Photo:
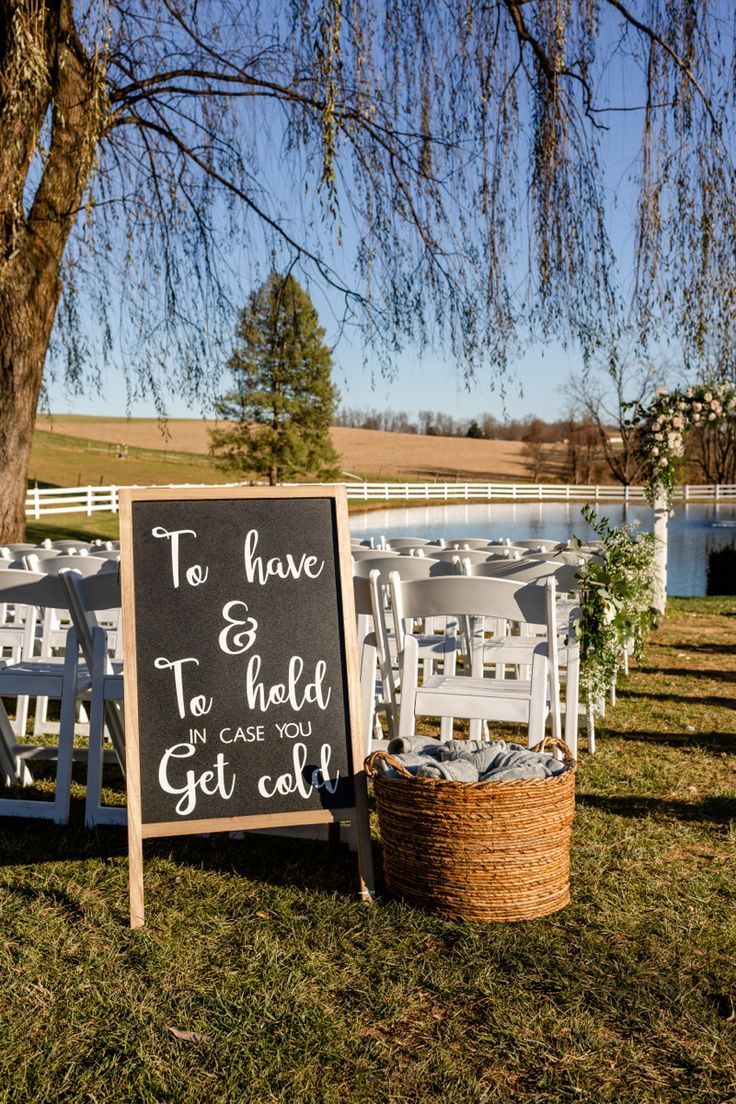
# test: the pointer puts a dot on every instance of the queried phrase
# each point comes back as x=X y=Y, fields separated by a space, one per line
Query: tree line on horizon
x=436 y=423
x=582 y=447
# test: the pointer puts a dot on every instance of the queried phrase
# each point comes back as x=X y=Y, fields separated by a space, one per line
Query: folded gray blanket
x=470 y=760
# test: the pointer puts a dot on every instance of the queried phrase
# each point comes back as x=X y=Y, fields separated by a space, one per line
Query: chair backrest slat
x=530 y=570
x=31 y=588
x=469 y=597
x=408 y=567
x=85 y=565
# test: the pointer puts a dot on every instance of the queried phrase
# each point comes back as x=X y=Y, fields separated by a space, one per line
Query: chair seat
x=474 y=698
x=431 y=645
x=39 y=676
x=112 y=687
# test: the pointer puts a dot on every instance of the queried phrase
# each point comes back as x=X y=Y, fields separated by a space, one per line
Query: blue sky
x=433 y=382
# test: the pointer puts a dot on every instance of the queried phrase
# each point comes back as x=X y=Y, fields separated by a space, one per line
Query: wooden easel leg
x=367 y=888
x=135 y=874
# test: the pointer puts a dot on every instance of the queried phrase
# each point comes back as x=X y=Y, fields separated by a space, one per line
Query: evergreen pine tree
x=280 y=411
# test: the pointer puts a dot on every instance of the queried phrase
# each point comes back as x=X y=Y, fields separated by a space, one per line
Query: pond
x=695 y=530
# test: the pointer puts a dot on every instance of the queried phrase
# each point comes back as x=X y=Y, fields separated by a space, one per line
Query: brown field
x=363 y=452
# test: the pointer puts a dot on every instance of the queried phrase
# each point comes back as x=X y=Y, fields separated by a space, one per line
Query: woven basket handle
x=551 y=741
x=383 y=756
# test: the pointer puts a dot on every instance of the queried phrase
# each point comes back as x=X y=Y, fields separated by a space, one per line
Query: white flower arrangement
x=664 y=425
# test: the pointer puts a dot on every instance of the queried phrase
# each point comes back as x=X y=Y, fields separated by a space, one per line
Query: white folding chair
x=475 y=555
x=476 y=542
x=517 y=650
x=87 y=597
x=438 y=642
x=367 y=553
x=539 y=544
x=54 y=561
x=476 y=698
x=374 y=699
x=61 y=677
x=72 y=546
x=395 y=544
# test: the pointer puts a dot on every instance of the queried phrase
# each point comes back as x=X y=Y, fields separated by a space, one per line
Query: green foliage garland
x=616 y=602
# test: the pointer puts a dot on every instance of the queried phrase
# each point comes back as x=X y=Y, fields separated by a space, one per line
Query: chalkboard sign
x=241 y=681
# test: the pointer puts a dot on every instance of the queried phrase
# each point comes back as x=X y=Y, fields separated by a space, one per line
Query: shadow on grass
x=687 y=646
x=31 y=895
x=685 y=672
x=326 y=867
x=306 y=864
x=709 y=700
x=715 y=810
x=708 y=741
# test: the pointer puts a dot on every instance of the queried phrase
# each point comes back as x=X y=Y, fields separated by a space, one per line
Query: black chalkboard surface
x=241 y=669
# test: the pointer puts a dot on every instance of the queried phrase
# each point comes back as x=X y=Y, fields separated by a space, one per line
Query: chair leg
x=21 y=715
x=538 y=701
x=62 y=797
x=409 y=677
x=93 y=799
x=367 y=694
x=591 y=728
x=572 y=704
x=475 y=729
x=95 y=812
x=13 y=769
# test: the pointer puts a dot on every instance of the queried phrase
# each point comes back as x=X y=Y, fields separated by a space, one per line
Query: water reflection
x=695 y=530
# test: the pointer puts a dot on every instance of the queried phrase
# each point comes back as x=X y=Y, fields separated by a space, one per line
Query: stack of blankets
x=469 y=760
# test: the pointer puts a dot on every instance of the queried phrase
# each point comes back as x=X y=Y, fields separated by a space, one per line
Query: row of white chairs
x=503 y=582
x=60 y=547
x=402 y=544
x=79 y=661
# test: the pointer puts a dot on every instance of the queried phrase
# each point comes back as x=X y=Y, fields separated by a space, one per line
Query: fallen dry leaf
x=190 y=1036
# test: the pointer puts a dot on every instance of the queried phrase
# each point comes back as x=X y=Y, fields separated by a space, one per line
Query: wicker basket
x=477 y=850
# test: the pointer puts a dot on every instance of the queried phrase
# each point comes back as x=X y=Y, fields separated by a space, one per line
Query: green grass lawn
x=60 y=460
x=302 y=994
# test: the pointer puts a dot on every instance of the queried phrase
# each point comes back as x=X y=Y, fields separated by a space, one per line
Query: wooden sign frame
x=358 y=814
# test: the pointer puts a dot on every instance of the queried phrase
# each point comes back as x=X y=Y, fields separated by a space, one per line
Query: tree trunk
x=27 y=309
x=64 y=79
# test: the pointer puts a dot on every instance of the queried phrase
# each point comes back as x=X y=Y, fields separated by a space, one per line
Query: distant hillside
x=363 y=452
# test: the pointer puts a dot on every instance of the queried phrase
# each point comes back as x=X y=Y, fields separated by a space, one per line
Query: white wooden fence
x=43 y=501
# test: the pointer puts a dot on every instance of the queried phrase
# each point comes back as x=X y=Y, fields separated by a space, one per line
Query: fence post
x=718 y=491
x=36 y=502
x=89 y=502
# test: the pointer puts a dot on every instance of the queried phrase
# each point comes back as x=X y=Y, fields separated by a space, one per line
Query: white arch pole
x=661 y=512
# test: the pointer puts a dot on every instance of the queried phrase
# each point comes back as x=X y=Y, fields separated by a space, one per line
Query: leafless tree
x=582 y=449
x=535 y=451
x=712 y=452
x=606 y=399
